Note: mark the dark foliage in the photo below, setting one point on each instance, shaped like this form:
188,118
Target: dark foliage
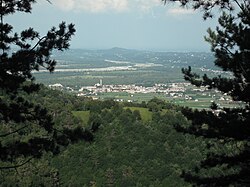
130,150
27,129
227,129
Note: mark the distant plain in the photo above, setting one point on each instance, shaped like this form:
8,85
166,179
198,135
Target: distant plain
77,68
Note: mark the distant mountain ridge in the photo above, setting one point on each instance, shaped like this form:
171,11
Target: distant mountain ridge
194,59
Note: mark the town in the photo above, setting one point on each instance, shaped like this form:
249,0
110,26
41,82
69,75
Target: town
182,90
157,88
171,89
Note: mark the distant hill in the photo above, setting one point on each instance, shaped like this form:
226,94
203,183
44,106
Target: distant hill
79,67
194,59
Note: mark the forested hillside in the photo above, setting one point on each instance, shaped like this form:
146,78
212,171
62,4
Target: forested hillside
129,145
130,150
37,171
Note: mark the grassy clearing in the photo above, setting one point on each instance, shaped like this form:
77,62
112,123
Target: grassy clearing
146,115
83,115
136,97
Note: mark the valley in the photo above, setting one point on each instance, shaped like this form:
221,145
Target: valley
126,75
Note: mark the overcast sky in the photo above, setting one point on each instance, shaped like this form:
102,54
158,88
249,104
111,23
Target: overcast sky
133,24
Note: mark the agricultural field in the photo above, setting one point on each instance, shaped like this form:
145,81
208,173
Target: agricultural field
116,66
199,101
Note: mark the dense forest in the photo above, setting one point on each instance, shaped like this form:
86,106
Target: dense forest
132,145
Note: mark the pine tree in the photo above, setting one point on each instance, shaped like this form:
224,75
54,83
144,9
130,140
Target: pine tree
26,129
227,133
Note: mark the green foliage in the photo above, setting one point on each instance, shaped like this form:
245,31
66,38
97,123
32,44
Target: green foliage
68,129
142,113
26,128
228,131
83,115
35,173
128,151
32,123
156,105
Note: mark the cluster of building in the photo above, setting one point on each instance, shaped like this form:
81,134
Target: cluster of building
172,90
132,88
60,87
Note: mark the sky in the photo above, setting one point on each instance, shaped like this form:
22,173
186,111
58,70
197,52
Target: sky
131,24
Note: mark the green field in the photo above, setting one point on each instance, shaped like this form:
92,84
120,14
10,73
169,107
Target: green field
202,103
136,97
146,115
83,115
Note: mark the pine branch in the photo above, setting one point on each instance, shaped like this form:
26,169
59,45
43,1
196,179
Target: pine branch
39,41
240,6
7,134
16,166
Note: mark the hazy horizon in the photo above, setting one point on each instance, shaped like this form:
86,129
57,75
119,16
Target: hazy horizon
128,24
144,49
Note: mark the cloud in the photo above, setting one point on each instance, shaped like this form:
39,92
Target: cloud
179,11
147,5
65,4
92,5
101,6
